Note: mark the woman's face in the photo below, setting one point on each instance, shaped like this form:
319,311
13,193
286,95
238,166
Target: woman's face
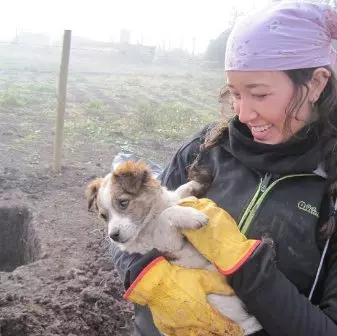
261,99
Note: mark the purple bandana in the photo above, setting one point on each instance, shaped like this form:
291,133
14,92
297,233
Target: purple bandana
283,36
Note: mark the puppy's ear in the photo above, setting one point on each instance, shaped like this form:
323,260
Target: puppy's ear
132,176
92,192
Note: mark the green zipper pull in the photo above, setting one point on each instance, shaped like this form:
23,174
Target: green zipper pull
243,225
250,205
265,182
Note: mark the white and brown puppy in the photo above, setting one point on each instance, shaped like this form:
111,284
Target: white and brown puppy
142,215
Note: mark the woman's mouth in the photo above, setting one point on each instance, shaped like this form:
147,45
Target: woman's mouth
262,128
261,132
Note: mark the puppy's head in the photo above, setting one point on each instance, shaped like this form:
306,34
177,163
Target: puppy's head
134,178
124,199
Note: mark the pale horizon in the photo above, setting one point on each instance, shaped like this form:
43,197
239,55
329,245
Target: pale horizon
149,21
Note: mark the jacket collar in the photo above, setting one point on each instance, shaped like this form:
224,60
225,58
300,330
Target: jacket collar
300,154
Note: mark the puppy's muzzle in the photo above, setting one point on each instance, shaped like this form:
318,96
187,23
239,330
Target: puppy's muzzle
114,236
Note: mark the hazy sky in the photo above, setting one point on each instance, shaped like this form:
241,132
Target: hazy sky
155,20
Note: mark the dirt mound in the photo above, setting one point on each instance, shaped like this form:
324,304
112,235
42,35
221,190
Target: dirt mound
80,301
56,276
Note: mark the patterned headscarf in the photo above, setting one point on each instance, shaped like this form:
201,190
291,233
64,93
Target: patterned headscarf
283,36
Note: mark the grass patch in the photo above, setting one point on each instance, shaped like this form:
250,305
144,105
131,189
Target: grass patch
26,94
146,116
95,105
43,87
170,120
94,131
134,81
151,120
9,99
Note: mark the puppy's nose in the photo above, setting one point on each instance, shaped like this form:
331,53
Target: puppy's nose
114,236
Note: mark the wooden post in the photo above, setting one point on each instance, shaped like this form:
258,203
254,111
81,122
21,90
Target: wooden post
61,101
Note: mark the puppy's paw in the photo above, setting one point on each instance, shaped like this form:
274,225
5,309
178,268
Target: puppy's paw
184,217
195,220
191,188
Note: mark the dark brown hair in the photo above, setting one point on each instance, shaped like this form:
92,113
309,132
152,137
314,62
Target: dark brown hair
327,124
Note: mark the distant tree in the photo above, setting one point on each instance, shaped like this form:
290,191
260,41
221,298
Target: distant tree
216,49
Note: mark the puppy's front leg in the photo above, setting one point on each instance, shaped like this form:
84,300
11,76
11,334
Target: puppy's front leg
183,217
167,234
191,188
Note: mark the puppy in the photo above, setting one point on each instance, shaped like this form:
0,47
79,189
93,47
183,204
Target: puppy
142,215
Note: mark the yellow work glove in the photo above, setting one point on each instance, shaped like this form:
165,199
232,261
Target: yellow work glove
176,297
220,241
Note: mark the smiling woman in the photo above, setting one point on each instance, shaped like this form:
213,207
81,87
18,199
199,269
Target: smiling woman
273,167
264,103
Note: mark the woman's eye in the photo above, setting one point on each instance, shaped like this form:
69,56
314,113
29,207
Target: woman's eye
123,204
260,96
104,216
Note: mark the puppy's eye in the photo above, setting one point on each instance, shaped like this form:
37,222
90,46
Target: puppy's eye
103,216
123,203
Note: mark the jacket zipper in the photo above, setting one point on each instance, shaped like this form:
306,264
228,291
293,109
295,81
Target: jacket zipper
262,191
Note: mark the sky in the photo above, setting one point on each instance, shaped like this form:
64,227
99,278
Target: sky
177,22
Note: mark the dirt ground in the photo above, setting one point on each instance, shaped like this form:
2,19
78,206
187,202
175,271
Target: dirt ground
71,288
56,277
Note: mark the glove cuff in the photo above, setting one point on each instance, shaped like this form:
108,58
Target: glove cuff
254,244
135,268
145,282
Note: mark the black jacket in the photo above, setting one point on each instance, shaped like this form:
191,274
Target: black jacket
272,192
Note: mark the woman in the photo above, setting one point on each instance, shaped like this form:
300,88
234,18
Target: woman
274,169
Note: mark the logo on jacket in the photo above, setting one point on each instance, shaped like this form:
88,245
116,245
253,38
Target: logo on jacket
308,208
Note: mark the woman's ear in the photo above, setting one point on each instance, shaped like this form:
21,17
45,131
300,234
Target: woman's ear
317,83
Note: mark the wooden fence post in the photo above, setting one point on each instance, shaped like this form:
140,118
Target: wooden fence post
61,101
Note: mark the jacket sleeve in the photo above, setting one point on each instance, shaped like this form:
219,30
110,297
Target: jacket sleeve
276,302
122,260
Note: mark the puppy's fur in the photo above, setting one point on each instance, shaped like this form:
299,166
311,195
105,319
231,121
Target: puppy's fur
142,215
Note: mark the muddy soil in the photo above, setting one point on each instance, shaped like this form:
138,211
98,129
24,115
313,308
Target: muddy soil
56,277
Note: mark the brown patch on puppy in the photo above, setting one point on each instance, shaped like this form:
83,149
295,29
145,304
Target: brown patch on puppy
201,174
92,192
131,176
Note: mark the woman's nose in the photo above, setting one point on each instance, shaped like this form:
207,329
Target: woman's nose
246,113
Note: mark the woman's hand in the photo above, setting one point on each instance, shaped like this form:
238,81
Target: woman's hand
220,241
176,297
